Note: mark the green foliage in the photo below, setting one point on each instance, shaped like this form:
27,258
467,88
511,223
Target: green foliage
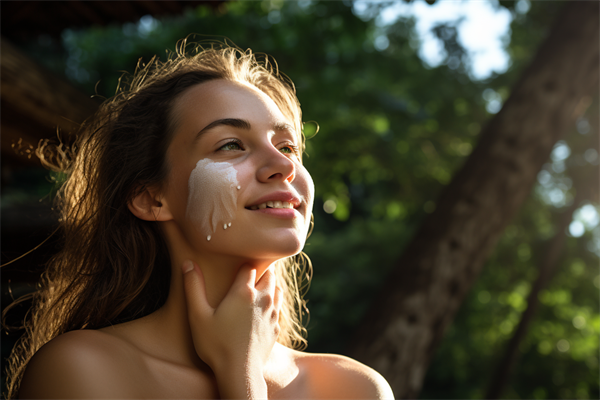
392,134
559,354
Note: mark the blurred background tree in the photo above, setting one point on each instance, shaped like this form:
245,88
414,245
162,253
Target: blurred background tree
393,130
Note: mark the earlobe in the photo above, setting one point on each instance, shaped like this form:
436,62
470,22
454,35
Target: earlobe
147,206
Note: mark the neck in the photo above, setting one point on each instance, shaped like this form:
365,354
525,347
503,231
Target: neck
170,322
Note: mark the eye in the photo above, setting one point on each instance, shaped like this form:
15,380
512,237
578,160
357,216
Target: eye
290,148
232,145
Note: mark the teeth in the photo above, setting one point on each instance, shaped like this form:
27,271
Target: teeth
272,204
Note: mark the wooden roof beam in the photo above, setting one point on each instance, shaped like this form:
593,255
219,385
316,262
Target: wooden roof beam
42,101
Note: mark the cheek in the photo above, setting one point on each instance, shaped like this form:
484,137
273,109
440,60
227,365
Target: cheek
212,196
305,186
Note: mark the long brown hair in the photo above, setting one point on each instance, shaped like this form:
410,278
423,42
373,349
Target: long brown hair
114,267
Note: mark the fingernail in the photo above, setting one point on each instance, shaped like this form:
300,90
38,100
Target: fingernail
187,266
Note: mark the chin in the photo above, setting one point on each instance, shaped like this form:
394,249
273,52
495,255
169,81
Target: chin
280,250
273,248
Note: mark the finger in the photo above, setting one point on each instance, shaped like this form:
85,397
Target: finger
278,301
195,290
277,330
245,278
267,282
243,285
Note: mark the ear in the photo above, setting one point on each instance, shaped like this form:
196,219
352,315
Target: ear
147,205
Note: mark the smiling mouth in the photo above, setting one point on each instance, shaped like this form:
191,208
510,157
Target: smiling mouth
271,204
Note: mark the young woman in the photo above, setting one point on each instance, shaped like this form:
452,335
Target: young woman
184,213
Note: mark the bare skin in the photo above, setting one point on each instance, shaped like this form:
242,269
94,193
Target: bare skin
215,337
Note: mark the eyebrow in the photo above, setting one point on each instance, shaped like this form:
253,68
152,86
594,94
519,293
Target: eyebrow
243,124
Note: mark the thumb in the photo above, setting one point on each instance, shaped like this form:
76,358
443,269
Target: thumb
195,290
245,278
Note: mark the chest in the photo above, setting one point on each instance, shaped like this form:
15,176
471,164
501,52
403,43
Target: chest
157,379
153,379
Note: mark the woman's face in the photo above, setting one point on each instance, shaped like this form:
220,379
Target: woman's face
236,184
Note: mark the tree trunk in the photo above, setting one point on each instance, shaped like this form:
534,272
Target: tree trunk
407,320
547,267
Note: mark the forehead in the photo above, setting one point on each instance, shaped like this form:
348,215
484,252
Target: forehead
218,99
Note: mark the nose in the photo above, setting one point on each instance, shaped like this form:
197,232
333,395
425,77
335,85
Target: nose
275,166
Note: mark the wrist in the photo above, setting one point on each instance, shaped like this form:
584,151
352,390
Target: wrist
241,381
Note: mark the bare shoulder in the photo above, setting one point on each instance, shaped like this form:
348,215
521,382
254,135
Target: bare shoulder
78,364
338,377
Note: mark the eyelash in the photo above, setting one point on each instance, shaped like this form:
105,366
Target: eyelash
294,149
233,141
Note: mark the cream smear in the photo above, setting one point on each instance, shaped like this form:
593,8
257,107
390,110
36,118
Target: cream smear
212,198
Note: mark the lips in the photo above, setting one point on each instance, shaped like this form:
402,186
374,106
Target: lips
282,205
282,213
276,200
273,204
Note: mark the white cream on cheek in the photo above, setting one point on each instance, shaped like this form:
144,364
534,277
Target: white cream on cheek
212,197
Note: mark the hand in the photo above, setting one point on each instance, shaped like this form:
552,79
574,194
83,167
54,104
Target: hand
237,337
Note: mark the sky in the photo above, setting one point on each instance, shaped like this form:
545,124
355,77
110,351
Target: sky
484,29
